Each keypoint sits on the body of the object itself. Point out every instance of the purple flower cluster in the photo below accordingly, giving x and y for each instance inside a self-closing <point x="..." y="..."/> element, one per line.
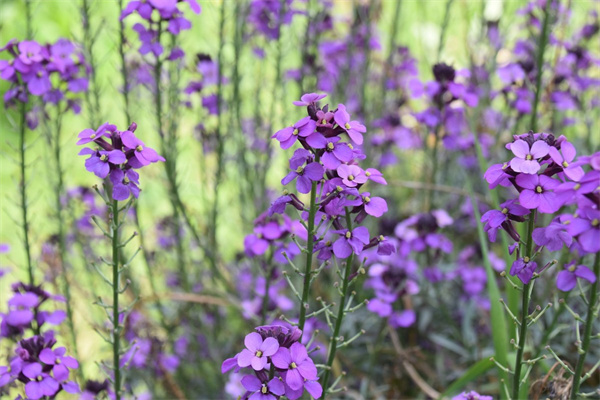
<point x="252" y="292"/>
<point x="209" y="72"/>
<point x="118" y="159"/>
<point x="331" y="163"/>
<point x="268" y="16"/>
<point x="25" y="311"/>
<point x="547" y="176"/>
<point x="41" y="367"/>
<point x="32" y="68"/>
<point x="276" y="348"/>
<point x="145" y="349"/>
<point x="157" y="14"/>
<point x="271" y="232"/>
<point x="43" y="370"/>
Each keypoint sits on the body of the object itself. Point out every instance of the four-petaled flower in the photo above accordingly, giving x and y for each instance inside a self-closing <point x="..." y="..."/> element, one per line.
<point x="297" y="365"/>
<point x="537" y="193"/>
<point x="354" y="129"/>
<point x="567" y="278"/>
<point x="350" y="241"/>
<point x="526" y="160"/>
<point x="262" y="390"/>
<point x="256" y="352"/>
<point x="59" y="361"/>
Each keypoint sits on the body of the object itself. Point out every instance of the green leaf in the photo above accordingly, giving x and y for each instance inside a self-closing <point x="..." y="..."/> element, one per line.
<point x="498" y="320"/>
<point x="476" y="370"/>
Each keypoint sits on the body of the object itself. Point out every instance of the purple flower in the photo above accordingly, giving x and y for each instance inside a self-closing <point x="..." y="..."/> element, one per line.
<point x="375" y="206"/>
<point x="564" y="160"/>
<point x="352" y="175"/>
<point x="125" y="183"/>
<point x="567" y="278"/>
<point x="350" y="241"/>
<point x="496" y="175"/>
<point x="523" y="268"/>
<point x="553" y="236"/>
<point x="143" y="155"/>
<point x="21" y="309"/>
<point x="526" y="158"/>
<point x="312" y="172"/>
<point x="297" y="365"/>
<point x="41" y="384"/>
<point x="537" y="194"/>
<point x="261" y="389"/>
<point x="472" y="395"/>
<point x="354" y="129"/>
<point x="374" y="175"/>
<point x="494" y="219"/>
<point x="59" y="361"/>
<point x="99" y="161"/>
<point x="336" y="153"/>
<point x="303" y="128"/>
<point x="309" y="98"/>
<point x="586" y="228"/>
<point x="256" y="352"/>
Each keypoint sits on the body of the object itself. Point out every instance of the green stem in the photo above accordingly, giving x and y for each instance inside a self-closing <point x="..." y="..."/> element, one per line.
<point x="340" y="316"/>
<point x="445" y="24"/>
<point x="93" y="104"/>
<point x="62" y="249"/>
<point x="591" y="317"/>
<point x="124" y="73"/>
<point x="309" y="252"/>
<point x="220" y="142"/>
<point x="540" y="60"/>
<point x="23" y="189"/>
<point x="28" y="19"/>
<point x="115" y="306"/>
<point x="527" y="290"/>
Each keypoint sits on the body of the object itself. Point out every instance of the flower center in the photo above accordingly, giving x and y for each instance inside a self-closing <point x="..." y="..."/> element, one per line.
<point x="264" y="389"/>
<point x="139" y="147"/>
<point x="565" y="164"/>
<point x="39" y="74"/>
<point x="103" y="157"/>
<point x="293" y="365"/>
<point x="57" y="361"/>
<point x="259" y="353"/>
<point x="528" y="157"/>
<point x="505" y="211"/>
<point x="381" y="238"/>
<point x="350" y="145"/>
<point x="299" y="169"/>
<point x="38" y="378"/>
<point x="348" y="235"/>
<point x="93" y="136"/>
<point x="324" y="122"/>
<point x="595" y="222"/>
<point x="504" y="166"/>
<point x="350" y="177"/>
<point x="329" y="146"/>
<point x="126" y="180"/>
<point x="367" y="173"/>
<point x="539" y="189"/>
<point x="347" y="125"/>
<point x="577" y="186"/>
<point x="526" y="259"/>
<point x="367" y="199"/>
<point x="572" y="268"/>
<point x="296" y="131"/>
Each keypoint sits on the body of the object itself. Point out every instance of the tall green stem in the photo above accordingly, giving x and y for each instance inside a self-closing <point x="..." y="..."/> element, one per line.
<point x="309" y="252"/>
<point x="115" y="306"/>
<point x="124" y="73"/>
<point x="220" y="142"/>
<point x="340" y="316"/>
<point x="587" y="335"/>
<point x="445" y="24"/>
<point x="62" y="249"/>
<point x="540" y="60"/>
<point x="93" y="98"/>
<point x="23" y="189"/>
<point x="527" y="290"/>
